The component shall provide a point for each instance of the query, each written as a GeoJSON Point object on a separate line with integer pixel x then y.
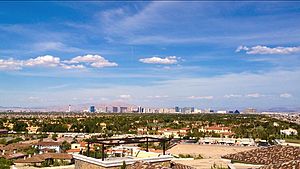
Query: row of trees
{"type": "Point", "coordinates": [255, 126]}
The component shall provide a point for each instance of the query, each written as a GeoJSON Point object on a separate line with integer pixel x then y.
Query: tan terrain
{"type": "Point", "coordinates": [211, 154]}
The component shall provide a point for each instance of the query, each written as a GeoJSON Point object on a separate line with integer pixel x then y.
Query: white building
{"type": "Point", "coordinates": [289, 131]}
{"type": "Point", "coordinates": [222, 111]}
{"type": "Point", "coordinates": [49, 145]}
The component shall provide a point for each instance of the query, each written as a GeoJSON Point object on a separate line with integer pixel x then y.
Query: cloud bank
{"type": "Point", "coordinates": [201, 97]}
{"type": "Point", "coordinates": [158, 60]}
{"type": "Point", "coordinates": [268, 50]}
{"type": "Point", "coordinates": [285, 95]}
{"type": "Point", "coordinates": [78, 62]}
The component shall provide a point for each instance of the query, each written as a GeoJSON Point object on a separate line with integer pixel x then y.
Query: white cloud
{"type": "Point", "coordinates": [233, 96]}
{"type": "Point", "coordinates": [268, 50]}
{"type": "Point", "coordinates": [201, 97]}
{"type": "Point", "coordinates": [52, 61]}
{"type": "Point", "coordinates": [158, 60]}
{"type": "Point", "coordinates": [125, 96]}
{"type": "Point", "coordinates": [46, 60]}
{"type": "Point", "coordinates": [285, 95]}
{"type": "Point", "coordinates": [94, 60]}
{"type": "Point", "coordinates": [255, 95]}
{"type": "Point", "coordinates": [72, 66]}
{"type": "Point", "coordinates": [240, 48]}
{"type": "Point", "coordinates": [10, 64]}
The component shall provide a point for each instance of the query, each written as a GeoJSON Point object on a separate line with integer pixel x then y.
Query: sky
{"type": "Point", "coordinates": [153, 54]}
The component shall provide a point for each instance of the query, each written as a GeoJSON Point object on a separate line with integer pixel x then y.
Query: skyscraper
{"type": "Point", "coordinates": [115, 109]}
{"type": "Point", "coordinates": [140, 109]}
{"type": "Point", "coordinates": [177, 109]}
{"type": "Point", "coordinates": [92, 109]}
{"type": "Point", "coordinates": [69, 108]}
{"type": "Point", "coordinates": [123, 109]}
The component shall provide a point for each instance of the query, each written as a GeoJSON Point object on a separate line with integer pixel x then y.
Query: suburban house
{"type": "Point", "coordinates": [37, 160]}
{"type": "Point", "coordinates": [14, 151]}
{"type": "Point", "coordinates": [48, 145]}
{"type": "Point", "coordinates": [289, 131]}
{"type": "Point", "coordinates": [76, 148]}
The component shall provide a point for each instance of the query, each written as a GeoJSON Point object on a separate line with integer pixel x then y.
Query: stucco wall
{"type": "Point", "coordinates": [85, 165]}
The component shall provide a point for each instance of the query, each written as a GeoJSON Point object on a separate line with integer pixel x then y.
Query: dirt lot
{"type": "Point", "coordinates": [211, 154]}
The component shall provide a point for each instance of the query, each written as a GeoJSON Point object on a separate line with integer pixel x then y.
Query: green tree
{"type": "Point", "coordinates": [123, 165]}
{"type": "Point", "coordinates": [5, 164]}
{"type": "Point", "coordinates": [65, 146]}
{"type": "Point", "coordinates": [20, 126]}
{"type": "Point", "coordinates": [3, 141]}
{"type": "Point", "coordinates": [54, 137]}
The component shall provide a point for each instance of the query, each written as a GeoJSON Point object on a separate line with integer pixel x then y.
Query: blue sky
{"type": "Point", "coordinates": [156, 54]}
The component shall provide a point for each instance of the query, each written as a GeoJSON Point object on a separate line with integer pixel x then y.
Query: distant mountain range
{"type": "Point", "coordinates": [77, 107]}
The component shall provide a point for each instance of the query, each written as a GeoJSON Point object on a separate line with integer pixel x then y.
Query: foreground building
{"type": "Point", "coordinates": [134, 157]}
{"type": "Point", "coordinates": [49, 158]}
{"type": "Point", "coordinates": [274, 157]}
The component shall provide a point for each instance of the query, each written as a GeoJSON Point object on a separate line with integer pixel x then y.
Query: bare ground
{"type": "Point", "coordinates": [211, 154]}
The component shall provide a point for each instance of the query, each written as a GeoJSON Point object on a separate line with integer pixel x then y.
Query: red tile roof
{"type": "Point", "coordinates": [42, 157]}
{"type": "Point", "coordinates": [48, 143]}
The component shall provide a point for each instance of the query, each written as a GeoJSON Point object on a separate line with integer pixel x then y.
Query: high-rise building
{"type": "Point", "coordinates": [140, 109]}
{"type": "Point", "coordinates": [115, 109]}
{"type": "Point", "coordinates": [177, 109]}
{"type": "Point", "coordinates": [69, 108]}
{"type": "Point", "coordinates": [92, 109]}
{"type": "Point", "coordinates": [123, 109]}
{"type": "Point", "coordinates": [192, 109]}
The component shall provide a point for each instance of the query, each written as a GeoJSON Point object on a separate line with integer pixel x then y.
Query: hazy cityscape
{"type": "Point", "coordinates": [149, 85]}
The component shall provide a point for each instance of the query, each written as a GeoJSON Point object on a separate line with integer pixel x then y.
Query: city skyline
{"type": "Point", "coordinates": [153, 54]}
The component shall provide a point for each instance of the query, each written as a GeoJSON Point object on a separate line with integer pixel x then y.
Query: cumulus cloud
{"type": "Point", "coordinates": [78, 62]}
{"type": "Point", "coordinates": [46, 60]}
{"type": "Point", "coordinates": [94, 60]}
{"type": "Point", "coordinates": [158, 60]}
{"type": "Point", "coordinates": [233, 96]}
{"type": "Point", "coordinates": [268, 50]}
{"type": "Point", "coordinates": [240, 48]}
{"type": "Point", "coordinates": [255, 95]}
{"type": "Point", "coordinates": [10, 64]}
{"type": "Point", "coordinates": [72, 66]}
{"type": "Point", "coordinates": [285, 95]}
{"type": "Point", "coordinates": [201, 97]}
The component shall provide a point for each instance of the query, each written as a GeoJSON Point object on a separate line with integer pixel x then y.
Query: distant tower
{"type": "Point", "coordinates": [92, 109]}
{"type": "Point", "coordinates": [140, 109]}
{"type": "Point", "coordinates": [115, 109]}
{"type": "Point", "coordinates": [69, 108]}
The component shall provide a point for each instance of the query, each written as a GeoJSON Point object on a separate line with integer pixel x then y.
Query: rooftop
{"type": "Point", "coordinates": [273, 157]}
{"type": "Point", "coordinates": [42, 157]}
